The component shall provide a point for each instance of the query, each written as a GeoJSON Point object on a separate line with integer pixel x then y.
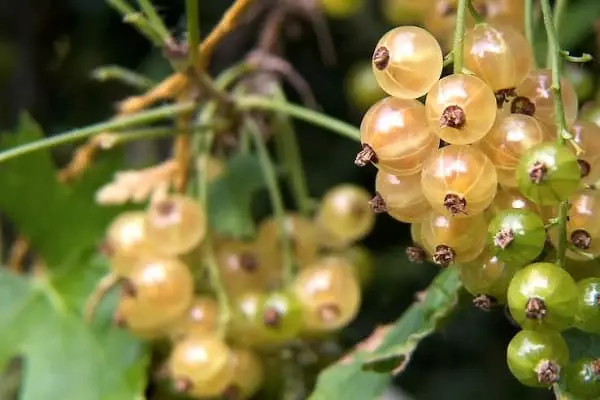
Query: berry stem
{"type": "Point", "coordinates": [192, 15]}
{"type": "Point", "coordinates": [123, 75]}
{"type": "Point", "coordinates": [473, 11]}
{"type": "Point", "coordinates": [296, 111]}
{"type": "Point", "coordinates": [290, 156]}
{"type": "Point", "coordinates": [529, 22]}
{"type": "Point", "coordinates": [561, 248]}
{"type": "Point", "coordinates": [268, 170]}
{"type": "Point", "coordinates": [459, 35]}
{"type": "Point", "coordinates": [155, 20]}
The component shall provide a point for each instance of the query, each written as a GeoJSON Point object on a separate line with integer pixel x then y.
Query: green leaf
{"type": "Point", "coordinates": [230, 197]}
{"type": "Point", "coordinates": [390, 347]}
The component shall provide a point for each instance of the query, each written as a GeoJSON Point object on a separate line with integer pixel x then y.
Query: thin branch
{"type": "Point", "coordinates": [135, 18]}
{"type": "Point", "coordinates": [155, 20]}
{"type": "Point", "coordinates": [124, 75]}
{"type": "Point", "coordinates": [459, 36]}
{"type": "Point", "coordinates": [529, 23]}
{"type": "Point", "coordinates": [192, 14]}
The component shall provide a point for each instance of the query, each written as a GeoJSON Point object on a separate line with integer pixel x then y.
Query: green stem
{"type": "Point", "coordinates": [290, 156]}
{"type": "Point", "coordinates": [135, 18]}
{"type": "Point", "coordinates": [555, 64]}
{"type": "Point", "coordinates": [448, 59]}
{"type": "Point", "coordinates": [561, 249]}
{"type": "Point", "coordinates": [478, 19]}
{"type": "Point", "coordinates": [156, 133]}
{"type": "Point", "coordinates": [529, 31]}
{"type": "Point", "coordinates": [192, 12]}
{"type": "Point", "coordinates": [124, 75]}
{"type": "Point", "coordinates": [459, 36]}
{"type": "Point", "coordinates": [268, 169]}
{"type": "Point", "coordinates": [305, 114]}
{"type": "Point", "coordinates": [559, 9]}
{"type": "Point", "coordinates": [156, 21]}
{"type": "Point", "coordinates": [92, 130]}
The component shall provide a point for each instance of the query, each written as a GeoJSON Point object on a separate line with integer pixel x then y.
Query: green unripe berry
{"type": "Point", "coordinates": [517, 236]}
{"type": "Point", "coordinates": [582, 379]}
{"type": "Point", "coordinates": [587, 317]}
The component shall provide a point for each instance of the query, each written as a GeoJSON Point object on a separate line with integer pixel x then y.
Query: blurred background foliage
{"type": "Point", "coordinates": [49, 48]}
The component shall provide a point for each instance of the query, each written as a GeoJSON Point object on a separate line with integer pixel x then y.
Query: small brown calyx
{"type": "Point", "coordinates": [272, 317]}
{"type": "Point", "coordinates": [453, 117]}
{"type": "Point", "coordinates": [504, 96]}
{"type": "Point", "coordinates": [248, 262]}
{"type": "Point", "coordinates": [233, 392]}
{"type": "Point", "coordinates": [381, 58]}
{"type": "Point", "coordinates": [548, 372]}
{"type": "Point", "coordinates": [584, 168]}
{"type": "Point", "coordinates": [455, 204]}
{"type": "Point", "coordinates": [522, 105]}
{"type": "Point", "coordinates": [128, 288]}
{"type": "Point", "coordinates": [535, 308]}
{"type": "Point", "coordinates": [165, 208]}
{"type": "Point", "coordinates": [444, 255]}
{"type": "Point", "coordinates": [581, 239]}
{"type": "Point", "coordinates": [365, 156]}
{"type": "Point", "coordinates": [503, 238]}
{"type": "Point", "coordinates": [174, 50]}
{"type": "Point", "coordinates": [415, 254]}
{"type": "Point", "coordinates": [106, 249]}
{"type": "Point", "coordinates": [537, 172]}
{"type": "Point", "coordinates": [329, 312]}
{"type": "Point", "coordinates": [484, 302]}
{"type": "Point", "coordinates": [118, 320]}
{"type": "Point", "coordinates": [378, 204]}
{"type": "Point", "coordinates": [182, 385]}
{"type": "Point", "coordinates": [595, 366]}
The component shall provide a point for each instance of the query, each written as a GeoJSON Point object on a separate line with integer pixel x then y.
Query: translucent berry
{"type": "Point", "coordinates": [582, 269]}
{"type": "Point", "coordinates": [248, 376]}
{"type": "Point", "coordinates": [536, 358]}
{"type": "Point", "coordinates": [461, 108]}
{"type": "Point", "coordinates": [583, 224]}
{"type": "Point", "coordinates": [280, 316]}
{"type": "Point", "coordinates": [400, 196]}
{"type": "Point", "coordinates": [453, 240]}
{"type": "Point", "coordinates": [498, 54]}
{"type": "Point", "coordinates": [587, 136]}
{"type": "Point", "coordinates": [543, 296]}
{"type": "Point", "coordinates": [535, 98]}
{"type": "Point", "coordinates": [488, 275]}
{"type": "Point", "coordinates": [361, 86]}
{"type": "Point", "coordinates": [176, 224]}
{"type": "Point", "coordinates": [459, 180]}
{"type": "Point", "coordinates": [395, 135]}
{"type": "Point", "coordinates": [517, 236]}
{"type": "Point", "coordinates": [242, 267]}
{"type": "Point", "coordinates": [201, 366]}
{"type": "Point", "coordinates": [200, 318]}
{"type": "Point", "coordinates": [587, 316]}
{"type": "Point", "coordinates": [548, 173]}
{"type": "Point", "coordinates": [407, 62]}
{"type": "Point", "coordinates": [329, 294]}
{"type": "Point", "coordinates": [157, 292]}
{"type": "Point", "coordinates": [582, 378]}
{"type": "Point", "coordinates": [512, 198]}
{"type": "Point", "coordinates": [362, 261]}
{"type": "Point", "coordinates": [345, 213]}
{"type": "Point", "coordinates": [126, 241]}
{"type": "Point", "coordinates": [510, 137]}
{"type": "Point", "coordinates": [582, 79]}
{"type": "Point", "coordinates": [404, 12]}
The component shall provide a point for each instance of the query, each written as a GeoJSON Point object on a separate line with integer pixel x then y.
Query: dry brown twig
{"type": "Point", "coordinates": [18, 251]}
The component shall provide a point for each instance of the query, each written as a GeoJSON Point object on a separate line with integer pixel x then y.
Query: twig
{"type": "Point", "coordinates": [107, 282]}
{"type": "Point", "coordinates": [155, 20]}
{"type": "Point", "coordinates": [17, 254]}
{"type": "Point", "coordinates": [135, 18]}
{"type": "Point", "coordinates": [193, 28]}
{"type": "Point", "coordinates": [124, 75]}
{"type": "Point", "coordinates": [268, 169]}
{"type": "Point", "coordinates": [459, 36]}
{"type": "Point", "coordinates": [182, 147]}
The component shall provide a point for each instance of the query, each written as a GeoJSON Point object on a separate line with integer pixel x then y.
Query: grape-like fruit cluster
{"type": "Point", "coordinates": [487, 198]}
{"type": "Point", "coordinates": [157, 252]}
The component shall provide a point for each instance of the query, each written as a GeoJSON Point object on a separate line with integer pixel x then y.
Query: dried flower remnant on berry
{"type": "Point", "coordinates": [453, 117]}
{"type": "Point", "coordinates": [415, 254]}
{"type": "Point", "coordinates": [444, 255]}
{"type": "Point", "coordinates": [581, 239]}
{"type": "Point", "coordinates": [548, 372]}
{"type": "Point", "coordinates": [248, 262]}
{"type": "Point", "coordinates": [381, 58]}
{"type": "Point", "coordinates": [182, 385]}
{"type": "Point", "coordinates": [329, 312]}
{"type": "Point", "coordinates": [455, 204]}
{"type": "Point", "coordinates": [537, 172]}
{"type": "Point", "coordinates": [504, 238]}
{"type": "Point", "coordinates": [504, 96]}
{"type": "Point", "coordinates": [535, 308]}
{"type": "Point", "coordinates": [584, 167]}
{"type": "Point", "coordinates": [365, 156]}
{"type": "Point", "coordinates": [378, 204]}
{"type": "Point", "coordinates": [484, 302]}
{"type": "Point", "coordinates": [272, 317]}
{"type": "Point", "coordinates": [522, 105]}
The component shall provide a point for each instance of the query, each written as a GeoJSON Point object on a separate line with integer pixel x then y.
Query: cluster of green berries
{"type": "Point", "coordinates": [159, 254]}
{"type": "Point", "coordinates": [478, 172]}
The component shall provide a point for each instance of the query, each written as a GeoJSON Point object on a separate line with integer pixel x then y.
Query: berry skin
{"type": "Point", "coordinates": [200, 318]}
{"type": "Point", "coordinates": [362, 89]}
{"type": "Point", "coordinates": [498, 54]}
{"type": "Point", "coordinates": [535, 358]}
{"type": "Point", "coordinates": [175, 224]}
{"type": "Point", "coordinates": [582, 378]}
{"type": "Point", "coordinates": [362, 262]}
{"type": "Point", "coordinates": [581, 79]}
{"type": "Point", "coordinates": [329, 294]}
{"type": "Point", "coordinates": [543, 296]}
{"type": "Point", "coordinates": [488, 275]}
{"type": "Point", "coordinates": [536, 89]}
{"type": "Point", "coordinates": [516, 236]}
{"type": "Point", "coordinates": [400, 196]}
{"type": "Point", "coordinates": [341, 8]}
{"type": "Point", "coordinates": [548, 173]}
{"type": "Point", "coordinates": [453, 240]}
{"type": "Point", "coordinates": [249, 374]}
{"type": "Point", "coordinates": [510, 198]}
{"type": "Point", "coordinates": [201, 366]}
{"type": "Point", "coordinates": [404, 12]}
{"type": "Point", "coordinates": [407, 62]}
{"type": "Point", "coordinates": [280, 316]}
{"type": "Point", "coordinates": [395, 135]}
{"type": "Point", "coordinates": [587, 317]}
{"type": "Point", "coordinates": [509, 138]}
{"type": "Point", "coordinates": [583, 224]}
{"type": "Point", "coordinates": [345, 214]}
{"type": "Point", "coordinates": [461, 108]}
{"type": "Point", "coordinates": [126, 241]}
{"type": "Point", "coordinates": [587, 136]}
{"type": "Point", "coordinates": [459, 181]}
{"type": "Point", "coordinates": [300, 231]}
